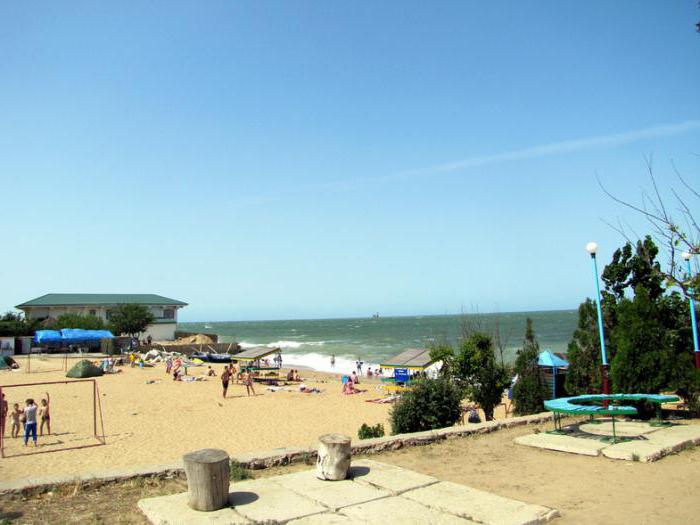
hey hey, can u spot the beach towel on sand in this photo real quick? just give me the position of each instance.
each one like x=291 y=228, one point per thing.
x=84 y=369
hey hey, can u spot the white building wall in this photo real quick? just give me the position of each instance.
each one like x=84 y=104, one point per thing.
x=161 y=331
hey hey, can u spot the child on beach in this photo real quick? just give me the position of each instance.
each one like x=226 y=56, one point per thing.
x=45 y=415
x=30 y=421
x=16 y=414
x=225 y=376
x=248 y=382
x=210 y=372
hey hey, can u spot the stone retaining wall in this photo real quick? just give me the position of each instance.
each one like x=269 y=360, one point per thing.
x=276 y=457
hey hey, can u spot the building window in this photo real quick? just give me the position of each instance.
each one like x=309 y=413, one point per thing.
x=168 y=313
x=93 y=312
x=108 y=314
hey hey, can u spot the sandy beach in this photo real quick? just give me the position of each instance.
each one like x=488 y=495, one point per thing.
x=155 y=423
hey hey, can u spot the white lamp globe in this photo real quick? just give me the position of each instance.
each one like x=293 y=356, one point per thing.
x=592 y=247
x=686 y=256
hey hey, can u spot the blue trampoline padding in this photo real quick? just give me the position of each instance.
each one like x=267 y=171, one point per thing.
x=569 y=405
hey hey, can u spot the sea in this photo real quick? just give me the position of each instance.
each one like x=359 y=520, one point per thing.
x=311 y=343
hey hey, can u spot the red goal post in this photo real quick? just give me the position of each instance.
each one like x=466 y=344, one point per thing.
x=98 y=428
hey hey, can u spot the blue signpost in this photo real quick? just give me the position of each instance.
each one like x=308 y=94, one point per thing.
x=592 y=248
x=693 y=320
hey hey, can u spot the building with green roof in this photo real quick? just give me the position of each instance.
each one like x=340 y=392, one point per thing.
x=53 y=305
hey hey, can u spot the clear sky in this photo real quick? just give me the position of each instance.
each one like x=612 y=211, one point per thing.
x=294 y=159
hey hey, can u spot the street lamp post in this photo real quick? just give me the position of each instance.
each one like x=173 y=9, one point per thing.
x=686 y=257
x=592 y=248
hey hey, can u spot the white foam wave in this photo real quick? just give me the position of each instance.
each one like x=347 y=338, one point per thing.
x=322 y=363
x=285 y=345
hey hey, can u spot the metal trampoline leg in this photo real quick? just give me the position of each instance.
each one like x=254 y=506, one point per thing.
x=614 y=435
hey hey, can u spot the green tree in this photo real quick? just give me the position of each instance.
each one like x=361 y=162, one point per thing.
x=86 y=322
x=444 y=352
x=483 y=377
x=583 y=353
x=130 y=319
x=530 y=391
x=16 y=325
x=644 y=355
x=431 y=404
x=647 y=329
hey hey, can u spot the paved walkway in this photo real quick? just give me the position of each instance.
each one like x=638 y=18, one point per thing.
x=648 y=443
x=376 y=493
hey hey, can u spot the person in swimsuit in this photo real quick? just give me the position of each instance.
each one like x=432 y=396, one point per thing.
x=248 y=382
x=16 y=414
x=225 y=376
x=45 y=415
x=30 y=423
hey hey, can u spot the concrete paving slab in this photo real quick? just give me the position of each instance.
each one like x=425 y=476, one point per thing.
x=665 y=441
x=561 y=443
x=332 y=494
x=622 y=428
x=676 y=435
x=636 y=450
x=388 y=477
x=327 y=518
x=479 y=506
x=173 y=510
x=262 y=500
x=400 y=511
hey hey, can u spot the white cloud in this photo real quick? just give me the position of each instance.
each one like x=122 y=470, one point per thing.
x=565 y=146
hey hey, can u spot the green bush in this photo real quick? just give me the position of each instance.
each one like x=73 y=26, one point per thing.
x=367 y=432
x=238 y=472
x=530 y=392
x=432 y=403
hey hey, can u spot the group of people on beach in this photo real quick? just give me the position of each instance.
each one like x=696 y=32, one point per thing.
x=233 y=373
x=26 y=417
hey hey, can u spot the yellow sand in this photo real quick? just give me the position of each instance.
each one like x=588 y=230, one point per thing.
x=151 y=424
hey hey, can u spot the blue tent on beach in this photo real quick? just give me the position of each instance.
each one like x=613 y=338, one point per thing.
x=547 y=359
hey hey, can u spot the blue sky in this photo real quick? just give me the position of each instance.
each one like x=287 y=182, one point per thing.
x=266 y=160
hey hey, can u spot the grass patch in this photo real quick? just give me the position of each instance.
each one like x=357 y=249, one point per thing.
x=238 y=472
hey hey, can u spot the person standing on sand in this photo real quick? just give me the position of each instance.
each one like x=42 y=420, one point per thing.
x=248 y=382
x=225 y=376
x=30 y=423
x=45 y=415
x=16 y=415
x=332 y=360
x=3 y=414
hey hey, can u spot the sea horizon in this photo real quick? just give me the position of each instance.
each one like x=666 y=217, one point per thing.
x=311 y=342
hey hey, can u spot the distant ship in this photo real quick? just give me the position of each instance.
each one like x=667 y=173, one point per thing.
x=375 y=316
x=208 y=326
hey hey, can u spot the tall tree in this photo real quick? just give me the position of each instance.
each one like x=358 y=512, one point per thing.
x=86 y=322
x=477 y=369
x=644 y=357
x=130 y=319
x=16 y=324
x=530 y=391
x=674 y=227
x=583 y=353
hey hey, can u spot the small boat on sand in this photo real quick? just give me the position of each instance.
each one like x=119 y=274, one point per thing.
x=212 y=357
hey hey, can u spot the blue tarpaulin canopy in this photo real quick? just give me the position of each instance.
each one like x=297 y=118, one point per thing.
x=71 y=335
x=47 y=336
x=547 y=358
